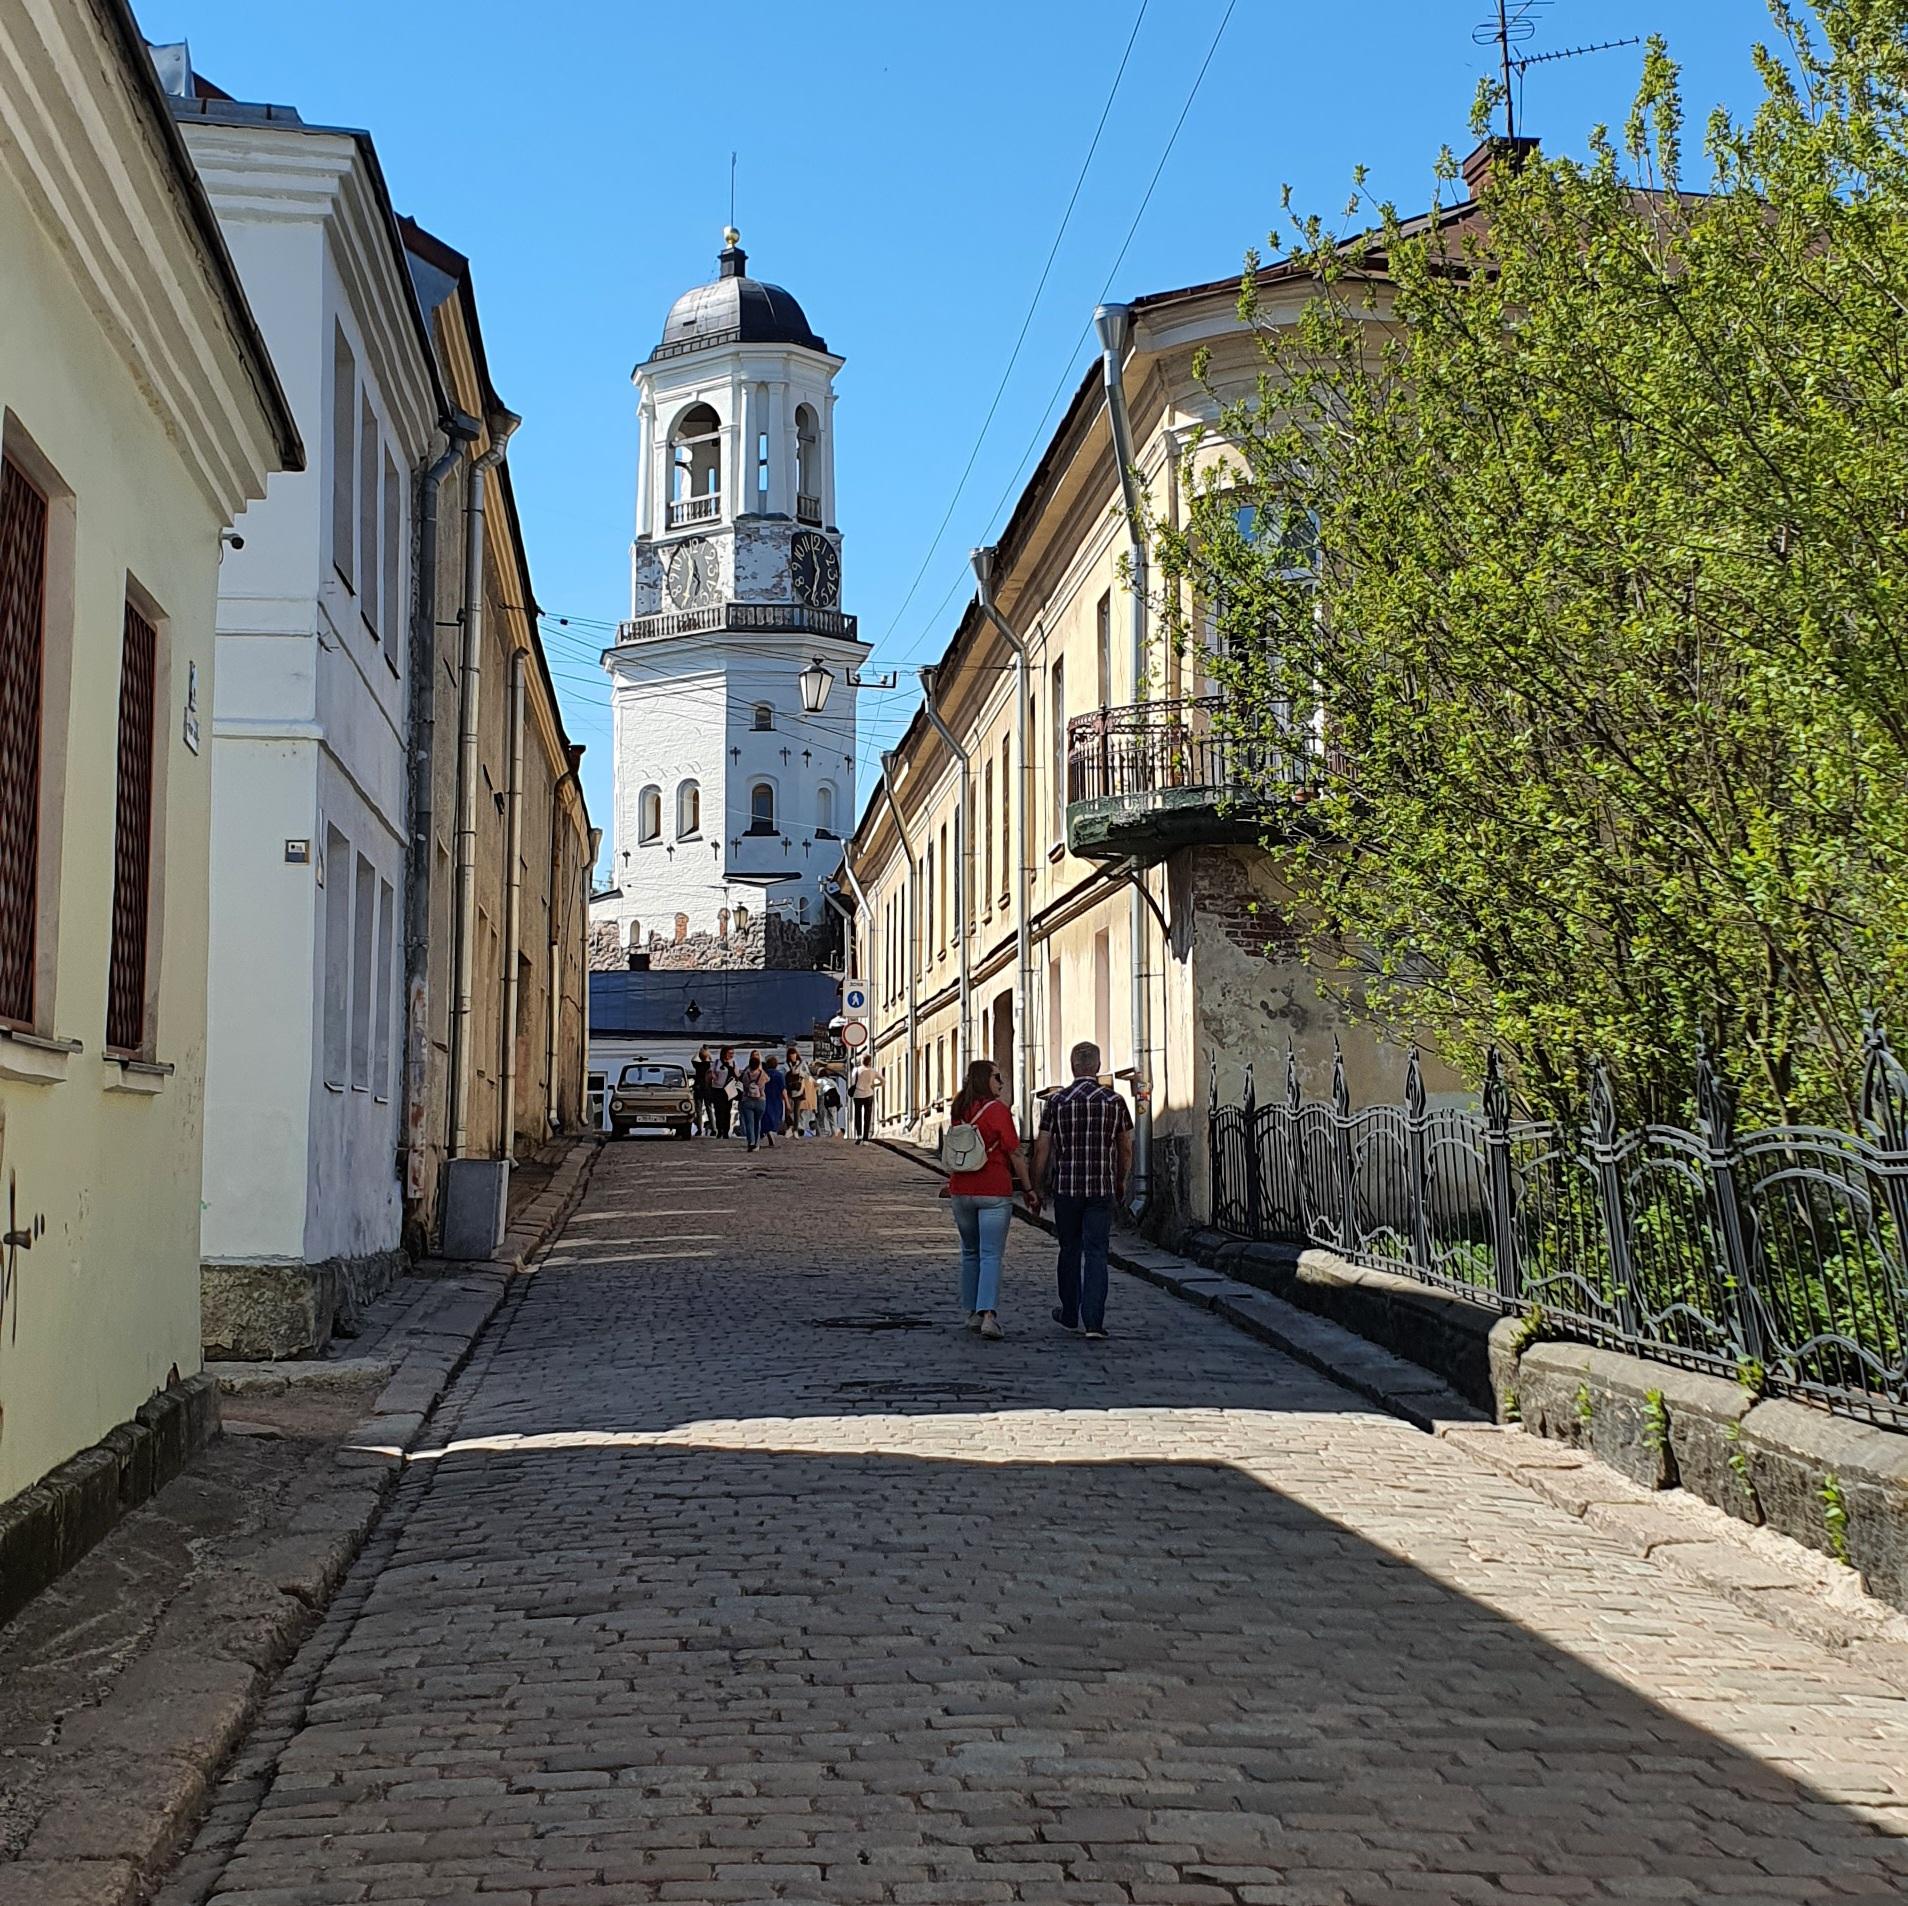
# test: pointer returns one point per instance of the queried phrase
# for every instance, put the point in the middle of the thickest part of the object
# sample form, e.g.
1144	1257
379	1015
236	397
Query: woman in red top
983	1199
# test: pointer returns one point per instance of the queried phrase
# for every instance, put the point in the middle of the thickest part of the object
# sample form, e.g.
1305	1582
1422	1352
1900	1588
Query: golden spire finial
730	236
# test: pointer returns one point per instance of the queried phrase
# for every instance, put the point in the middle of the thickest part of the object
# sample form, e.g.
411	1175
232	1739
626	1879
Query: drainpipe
929	681
983	562
513	904
464	923
1114	323
460	431
568	778
914	908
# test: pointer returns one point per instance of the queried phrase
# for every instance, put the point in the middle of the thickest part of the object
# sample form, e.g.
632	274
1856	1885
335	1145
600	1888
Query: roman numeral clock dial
815	569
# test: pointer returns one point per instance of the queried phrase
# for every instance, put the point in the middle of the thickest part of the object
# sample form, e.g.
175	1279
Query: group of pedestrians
768	1097
1082	1159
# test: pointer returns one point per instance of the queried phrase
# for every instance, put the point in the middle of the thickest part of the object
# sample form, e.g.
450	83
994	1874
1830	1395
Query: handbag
733	1090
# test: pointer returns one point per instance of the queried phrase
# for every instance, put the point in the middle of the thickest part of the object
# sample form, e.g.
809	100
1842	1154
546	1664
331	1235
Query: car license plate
652	1118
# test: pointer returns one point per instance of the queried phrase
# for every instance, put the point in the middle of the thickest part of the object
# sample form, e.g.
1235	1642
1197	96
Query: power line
1068	372
1033	304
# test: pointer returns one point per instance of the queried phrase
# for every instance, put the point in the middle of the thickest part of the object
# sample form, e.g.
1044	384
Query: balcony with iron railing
1150	777
754	618
686	510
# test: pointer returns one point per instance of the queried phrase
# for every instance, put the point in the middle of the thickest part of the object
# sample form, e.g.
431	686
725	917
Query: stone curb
1762	1571
48	1526
171	1722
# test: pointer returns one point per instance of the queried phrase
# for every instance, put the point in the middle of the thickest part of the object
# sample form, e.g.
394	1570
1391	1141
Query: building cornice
86	134
283	172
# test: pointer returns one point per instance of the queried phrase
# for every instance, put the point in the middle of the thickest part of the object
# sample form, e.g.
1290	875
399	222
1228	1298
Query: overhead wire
1033	305
1070	371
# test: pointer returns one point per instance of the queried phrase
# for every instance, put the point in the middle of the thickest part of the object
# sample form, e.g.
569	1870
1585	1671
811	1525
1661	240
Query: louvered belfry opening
22	665
132	839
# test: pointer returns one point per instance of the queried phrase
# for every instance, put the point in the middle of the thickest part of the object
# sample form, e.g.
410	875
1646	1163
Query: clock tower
731	799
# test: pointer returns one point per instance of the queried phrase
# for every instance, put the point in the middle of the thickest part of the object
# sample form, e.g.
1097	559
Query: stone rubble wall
772	945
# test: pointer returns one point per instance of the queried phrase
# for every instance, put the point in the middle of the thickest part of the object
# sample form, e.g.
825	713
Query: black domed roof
735	309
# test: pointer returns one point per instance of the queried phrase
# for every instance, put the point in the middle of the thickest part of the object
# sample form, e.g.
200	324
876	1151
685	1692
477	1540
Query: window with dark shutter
22	664
132	838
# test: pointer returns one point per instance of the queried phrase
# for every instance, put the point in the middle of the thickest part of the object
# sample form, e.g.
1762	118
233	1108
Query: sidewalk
126	1684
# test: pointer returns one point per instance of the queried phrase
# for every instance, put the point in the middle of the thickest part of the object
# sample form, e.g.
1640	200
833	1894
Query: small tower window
761	809
764	718
688	809
695	466
649	815
825	811
808	500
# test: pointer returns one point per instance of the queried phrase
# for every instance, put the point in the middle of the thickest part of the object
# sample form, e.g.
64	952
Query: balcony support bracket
1133	873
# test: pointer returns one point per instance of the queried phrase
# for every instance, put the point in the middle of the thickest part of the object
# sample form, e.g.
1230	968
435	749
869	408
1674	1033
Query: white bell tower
731	798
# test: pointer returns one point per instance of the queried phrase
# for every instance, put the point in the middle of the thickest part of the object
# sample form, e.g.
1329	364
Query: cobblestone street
703	1589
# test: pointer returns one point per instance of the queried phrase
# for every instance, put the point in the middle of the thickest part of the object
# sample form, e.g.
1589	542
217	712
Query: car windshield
659	1078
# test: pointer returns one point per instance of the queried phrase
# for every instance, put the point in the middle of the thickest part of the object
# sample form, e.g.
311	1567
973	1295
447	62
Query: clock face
815	569
692	573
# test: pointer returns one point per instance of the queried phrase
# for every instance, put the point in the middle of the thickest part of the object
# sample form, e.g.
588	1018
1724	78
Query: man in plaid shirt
1085	1151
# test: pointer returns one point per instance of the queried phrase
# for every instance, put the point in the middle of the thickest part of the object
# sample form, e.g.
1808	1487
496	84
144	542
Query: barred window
23	536
126	1028
344	455
337	1031
368	566
363	952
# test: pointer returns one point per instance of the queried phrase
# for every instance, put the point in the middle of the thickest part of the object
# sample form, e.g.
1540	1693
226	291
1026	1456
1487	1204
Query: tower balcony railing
756	618
695	509
808	510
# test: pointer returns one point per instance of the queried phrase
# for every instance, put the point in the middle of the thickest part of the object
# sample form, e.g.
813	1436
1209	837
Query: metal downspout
1114	323
513	905
914	908
420	736
551	1115
464	922
983	563
929	678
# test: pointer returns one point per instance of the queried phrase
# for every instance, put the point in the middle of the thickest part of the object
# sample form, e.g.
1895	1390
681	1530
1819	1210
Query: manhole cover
876	1320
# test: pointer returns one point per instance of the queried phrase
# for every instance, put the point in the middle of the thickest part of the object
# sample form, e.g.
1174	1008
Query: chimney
1491	153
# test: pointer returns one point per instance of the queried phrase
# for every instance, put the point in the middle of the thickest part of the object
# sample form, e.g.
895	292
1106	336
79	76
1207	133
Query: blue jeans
982	1223
751	1110
1084	1225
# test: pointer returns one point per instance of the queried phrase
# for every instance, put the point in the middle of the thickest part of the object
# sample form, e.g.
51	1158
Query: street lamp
816	680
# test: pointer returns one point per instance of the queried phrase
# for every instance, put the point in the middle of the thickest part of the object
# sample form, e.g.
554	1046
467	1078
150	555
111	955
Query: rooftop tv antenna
1516	26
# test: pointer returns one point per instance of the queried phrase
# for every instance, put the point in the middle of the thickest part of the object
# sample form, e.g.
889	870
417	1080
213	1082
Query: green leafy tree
1604	627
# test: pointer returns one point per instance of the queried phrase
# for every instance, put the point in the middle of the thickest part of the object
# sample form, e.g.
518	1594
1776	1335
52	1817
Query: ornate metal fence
1777	1255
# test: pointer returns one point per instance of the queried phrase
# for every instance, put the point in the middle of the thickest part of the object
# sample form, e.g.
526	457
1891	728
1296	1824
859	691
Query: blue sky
903	170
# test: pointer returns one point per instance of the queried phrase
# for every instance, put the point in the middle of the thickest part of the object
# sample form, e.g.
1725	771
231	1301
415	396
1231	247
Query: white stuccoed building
302	1208
731	800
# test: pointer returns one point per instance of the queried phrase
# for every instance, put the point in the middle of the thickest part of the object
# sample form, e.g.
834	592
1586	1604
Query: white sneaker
990	1326
972	1319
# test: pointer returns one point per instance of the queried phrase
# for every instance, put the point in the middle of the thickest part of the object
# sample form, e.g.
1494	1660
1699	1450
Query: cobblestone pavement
700	1588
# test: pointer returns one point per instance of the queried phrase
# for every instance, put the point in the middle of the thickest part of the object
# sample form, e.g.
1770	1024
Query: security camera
231	539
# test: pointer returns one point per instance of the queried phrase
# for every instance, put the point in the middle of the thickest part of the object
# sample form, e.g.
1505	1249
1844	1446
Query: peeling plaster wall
1248	990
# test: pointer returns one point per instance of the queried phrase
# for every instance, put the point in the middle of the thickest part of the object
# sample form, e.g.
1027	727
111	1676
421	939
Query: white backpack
963	1148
